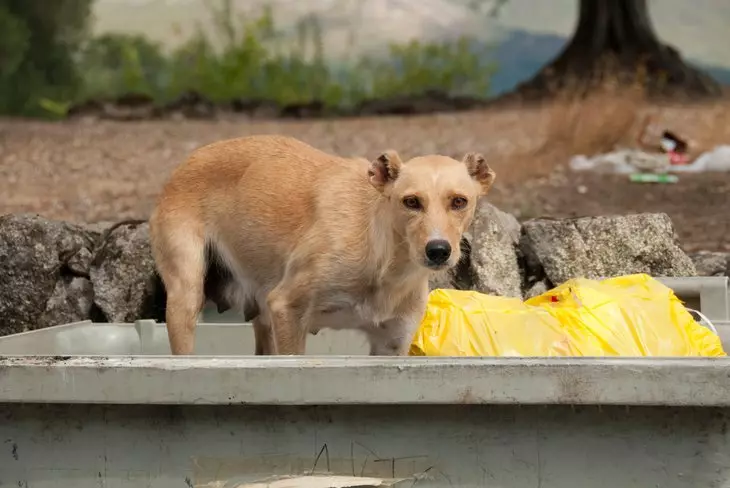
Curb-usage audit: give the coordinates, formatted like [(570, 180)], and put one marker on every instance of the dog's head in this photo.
[(432, 199)]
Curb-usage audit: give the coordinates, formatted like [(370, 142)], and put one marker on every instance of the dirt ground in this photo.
[(90, 171)]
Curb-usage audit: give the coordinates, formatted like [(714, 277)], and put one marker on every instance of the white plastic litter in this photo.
[(627, 161), (716, 160), (704, 320), (624, 161)]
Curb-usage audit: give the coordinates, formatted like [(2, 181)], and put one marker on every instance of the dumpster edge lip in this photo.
[(363, 380)]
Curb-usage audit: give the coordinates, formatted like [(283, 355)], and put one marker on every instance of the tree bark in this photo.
[(614, 41)]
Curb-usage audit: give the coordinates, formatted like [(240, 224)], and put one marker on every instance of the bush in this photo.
[(456, 67), (115, 64), (39, 40), (247, 62)]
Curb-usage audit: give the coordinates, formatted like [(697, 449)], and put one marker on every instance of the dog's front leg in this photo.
[(288, 327), (393, 337)]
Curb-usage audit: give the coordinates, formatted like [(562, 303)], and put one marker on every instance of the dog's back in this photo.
[(262, 186), (236, 208)]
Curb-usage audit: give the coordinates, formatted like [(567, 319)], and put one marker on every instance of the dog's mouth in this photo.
[(433, 266)]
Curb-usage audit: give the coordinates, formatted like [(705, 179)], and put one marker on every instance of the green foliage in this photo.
[(418, 67), (115, 64), (39, 39), (55, 109), (248, 59), (15, 42)]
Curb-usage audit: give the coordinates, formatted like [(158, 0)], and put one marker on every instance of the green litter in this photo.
[(653, 178)]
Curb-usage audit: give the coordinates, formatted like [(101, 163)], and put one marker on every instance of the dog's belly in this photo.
[(339, 319)]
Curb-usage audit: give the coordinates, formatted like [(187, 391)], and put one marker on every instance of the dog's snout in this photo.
[(438, 251)]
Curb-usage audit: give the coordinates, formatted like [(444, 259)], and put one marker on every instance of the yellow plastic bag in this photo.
[(632, 315)]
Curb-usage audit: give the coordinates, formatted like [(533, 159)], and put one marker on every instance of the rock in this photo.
[(538, 288), (126, 284), (39, 260), (594, 247), (532, 271), (71, 301), (711, 263), (444, 280), (493, 265), (80, 263)]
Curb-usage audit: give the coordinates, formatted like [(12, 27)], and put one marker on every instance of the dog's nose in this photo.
[(438, 251)]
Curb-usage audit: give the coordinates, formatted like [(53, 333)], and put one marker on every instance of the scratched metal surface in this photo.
[(149, 338), (131, 366), (363, 380), (64, 446)]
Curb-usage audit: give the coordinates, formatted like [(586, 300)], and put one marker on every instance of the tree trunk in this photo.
[(614, 41)]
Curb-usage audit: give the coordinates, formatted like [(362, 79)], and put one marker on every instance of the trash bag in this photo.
[(633, 315)]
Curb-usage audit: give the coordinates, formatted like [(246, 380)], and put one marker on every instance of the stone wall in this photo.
[(56, 272)]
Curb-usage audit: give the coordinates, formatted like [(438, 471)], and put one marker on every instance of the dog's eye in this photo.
[(412, 202), (458, 203)]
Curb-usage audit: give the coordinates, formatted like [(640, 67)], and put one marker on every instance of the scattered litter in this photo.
[(668, 142), (632, 161), (624, 161), (717, 159), (652, 178), (675, 147)]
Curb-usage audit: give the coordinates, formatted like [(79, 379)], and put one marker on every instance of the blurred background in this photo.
[(520, 40), (101, 99)]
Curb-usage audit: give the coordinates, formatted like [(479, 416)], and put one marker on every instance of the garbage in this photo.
[(675, 147), (718, 159), (660, 153), (632, 315), (632, 161), (652, 178), (624, 161), (668, 142)]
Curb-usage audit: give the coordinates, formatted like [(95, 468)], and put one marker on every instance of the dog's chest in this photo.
[(345, 311)]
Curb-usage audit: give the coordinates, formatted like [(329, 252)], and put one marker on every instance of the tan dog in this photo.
[(300, 240)]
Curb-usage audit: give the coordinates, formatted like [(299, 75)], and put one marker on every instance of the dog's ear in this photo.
[(480, 170), (384, 169)]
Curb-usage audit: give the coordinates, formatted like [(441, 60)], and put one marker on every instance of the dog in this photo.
[(299, 240)]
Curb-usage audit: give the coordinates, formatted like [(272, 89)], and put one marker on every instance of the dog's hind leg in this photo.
[(263, 336), (179, 250)]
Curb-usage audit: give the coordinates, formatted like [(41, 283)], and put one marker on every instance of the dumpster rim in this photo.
[(363, 380)]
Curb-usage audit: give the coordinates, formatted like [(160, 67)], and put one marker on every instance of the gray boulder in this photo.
[(123, 275), (442, 280), (537, 288), (711, 263), (44, 266), (493, 259), (71, 301), (594, 247)]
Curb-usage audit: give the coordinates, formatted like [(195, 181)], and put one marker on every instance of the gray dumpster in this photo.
[(104, 405)]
